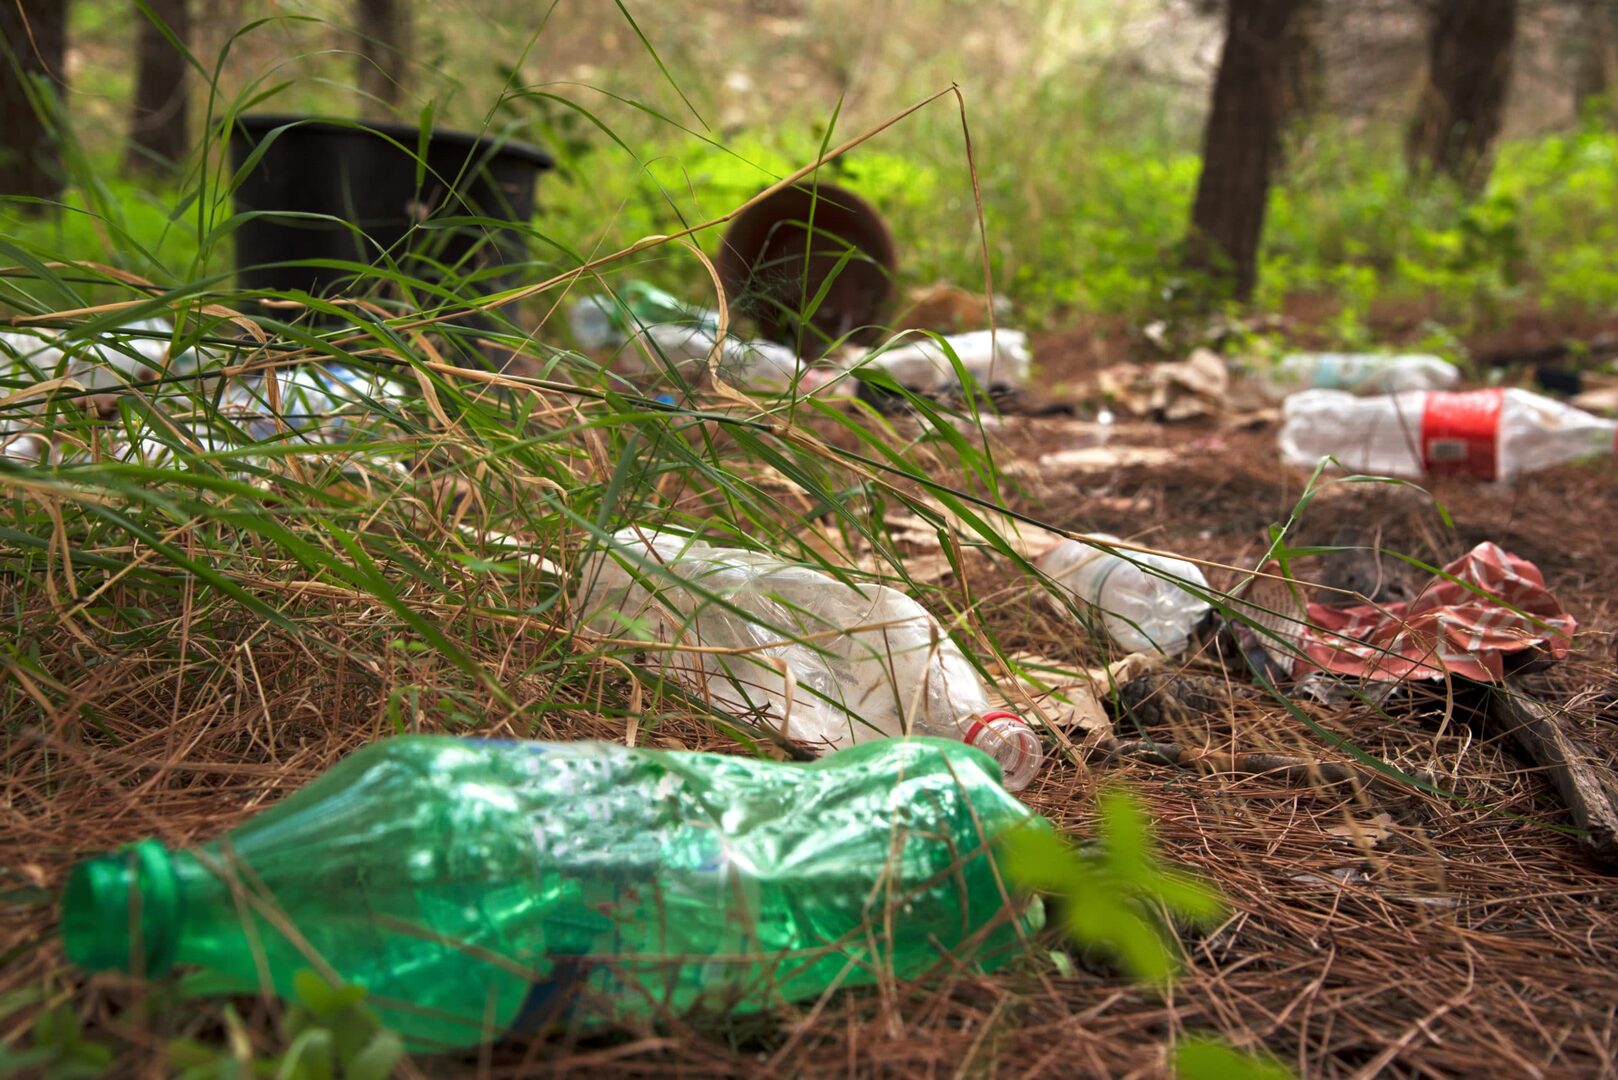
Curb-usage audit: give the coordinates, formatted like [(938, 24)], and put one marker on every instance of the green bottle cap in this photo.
[(107, 894)]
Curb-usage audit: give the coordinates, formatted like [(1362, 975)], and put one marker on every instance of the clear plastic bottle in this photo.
[(110, 361), (1487, 434), (1140, 610), (1359, 373), (479, 887), (600, 321), (993, 359), (753, 365), (868, 663)]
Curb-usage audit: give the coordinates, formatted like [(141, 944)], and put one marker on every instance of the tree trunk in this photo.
[(383, 30), (1468, 71), (33, 42), (159, 137), (1242, 143), (1595, 74)]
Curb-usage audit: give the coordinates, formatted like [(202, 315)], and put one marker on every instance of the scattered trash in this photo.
[(1066, 700), (1197, 386), (1489, 607), (319, 403), (655, 331), (602, 321), (1598, 394), (829, 662), (1358, 373), (754, 365), (1487, 434), (1139, 595), (477, 887), (1102, 458), (132, 353), (312, 403), (993, 359)]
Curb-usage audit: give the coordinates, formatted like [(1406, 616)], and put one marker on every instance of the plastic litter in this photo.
[(868, 663), (756, 365), (324, 404), (1487, 434), (317, 403), (994, 360), (132, 353), (1142, 611), (1359, 373), (1171, 391), (601, 321), (1491, 612), (479, 887)]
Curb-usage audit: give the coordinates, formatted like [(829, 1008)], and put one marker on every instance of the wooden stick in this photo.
[(1297, 770), (1587, 785)]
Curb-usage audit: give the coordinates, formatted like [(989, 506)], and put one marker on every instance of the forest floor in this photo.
[(1371, 931)]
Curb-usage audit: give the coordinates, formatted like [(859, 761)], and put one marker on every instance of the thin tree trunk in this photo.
[(1469, 51), (33, 42), (1242, 143), (159, 136), (383, 30), (1595, 74)]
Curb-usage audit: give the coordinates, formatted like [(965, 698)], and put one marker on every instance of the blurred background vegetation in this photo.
[(1087, 123)]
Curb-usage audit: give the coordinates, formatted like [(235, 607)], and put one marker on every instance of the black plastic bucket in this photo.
[(360, 177)]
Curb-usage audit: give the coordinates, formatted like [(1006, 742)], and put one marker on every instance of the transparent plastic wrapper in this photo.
[(1496, 434), (868, 663), (482, 887), (1359, 373), (993, 359), (1141, 611)]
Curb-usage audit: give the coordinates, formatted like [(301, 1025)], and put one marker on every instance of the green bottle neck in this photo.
[(125, 911)]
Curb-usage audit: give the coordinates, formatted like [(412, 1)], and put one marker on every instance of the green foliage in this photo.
[(57, 1047), (1118, 898), (328, 1034), (1210, 1059), (1113, 896)]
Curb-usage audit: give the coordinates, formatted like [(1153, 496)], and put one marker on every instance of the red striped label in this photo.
[(1460, 433)]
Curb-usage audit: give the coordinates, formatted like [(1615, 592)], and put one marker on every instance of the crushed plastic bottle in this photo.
[(994, 359), (1359, 373), (110, 361), (868, 661), (601, 321), (317, 402), (754, 365), (1141, 611), (1495, 434), (476, 887)]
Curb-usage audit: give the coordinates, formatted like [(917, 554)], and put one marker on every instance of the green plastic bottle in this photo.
[(478, 887)]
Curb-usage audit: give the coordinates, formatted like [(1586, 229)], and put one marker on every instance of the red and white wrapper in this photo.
[(1449, 629)]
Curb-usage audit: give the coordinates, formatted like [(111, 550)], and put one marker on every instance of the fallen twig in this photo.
[(1587, 785), (1296, 770)]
